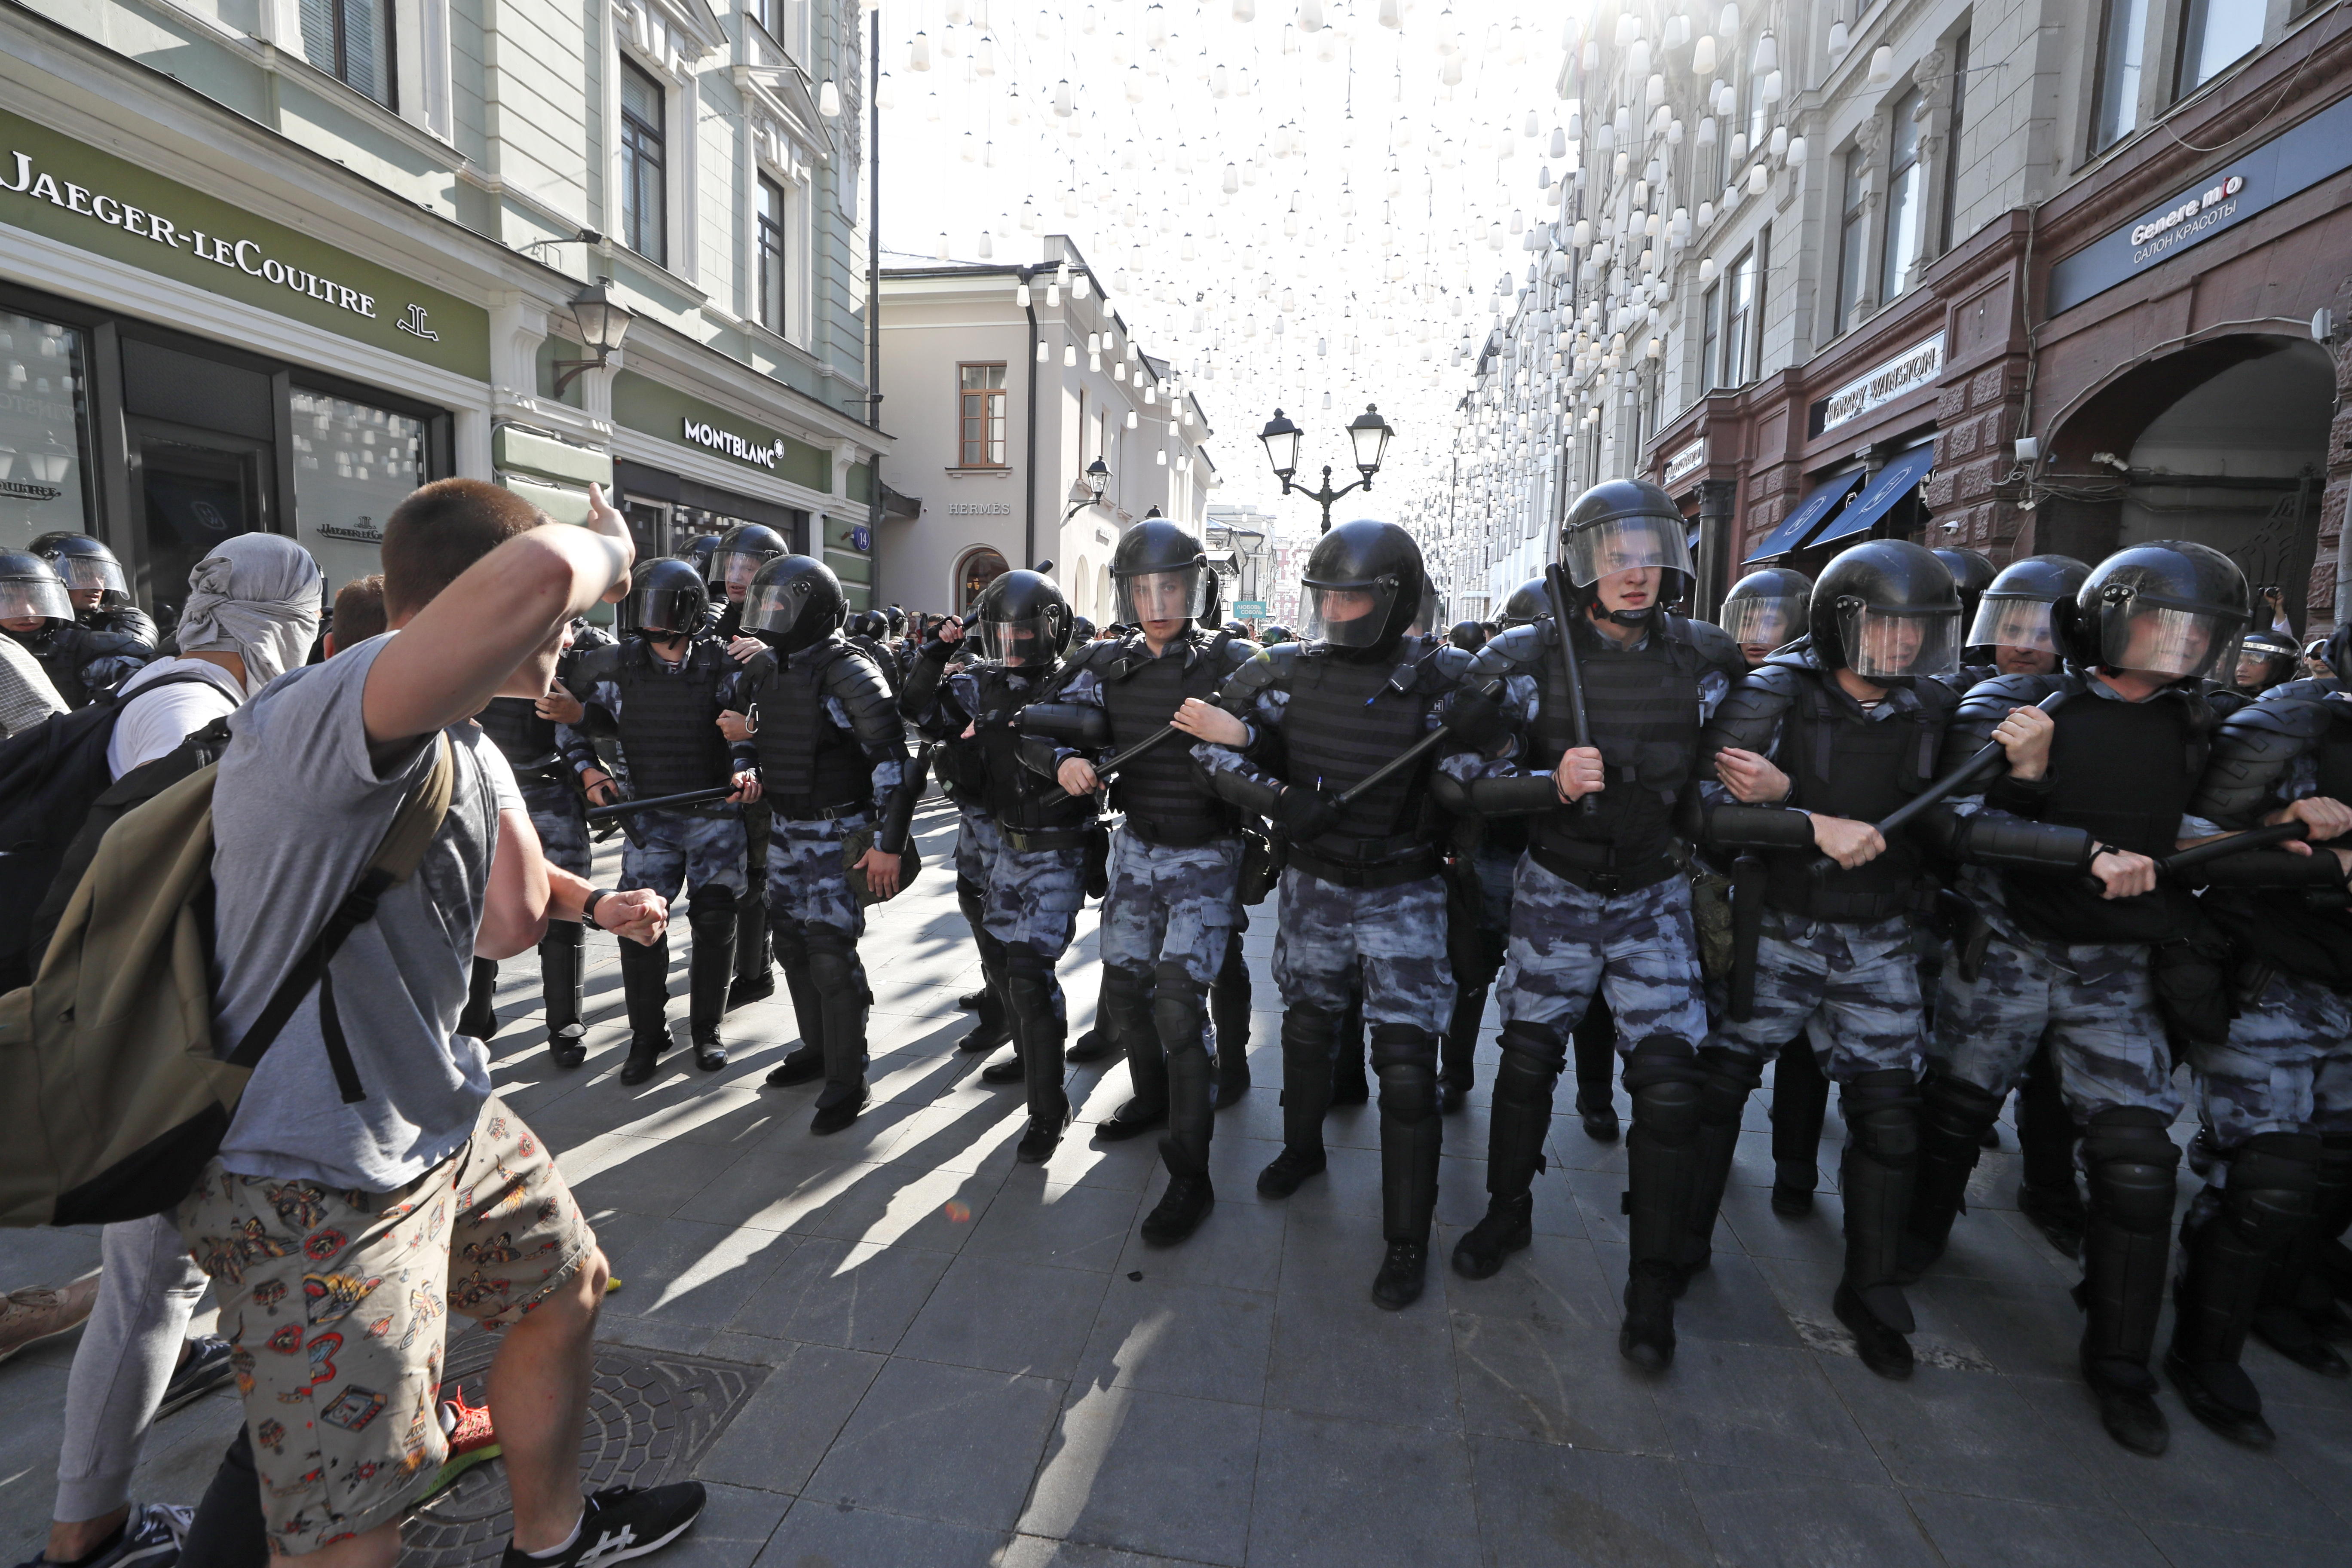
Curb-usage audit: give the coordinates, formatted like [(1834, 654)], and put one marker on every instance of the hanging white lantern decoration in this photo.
[(1796, 152), (1768, 90), (1767, 54), (1707, 269), (1310, 16), (1728, 24), (1759, 179), (941, 251), (919, 53), (885, 92), (1703, 56), (1065, 100), (1245, 10), (1780, 141), (1155, 27), (1882, 66), (1839, 40)]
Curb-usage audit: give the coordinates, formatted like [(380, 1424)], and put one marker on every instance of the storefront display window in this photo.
[(352, 463), (44, 431)]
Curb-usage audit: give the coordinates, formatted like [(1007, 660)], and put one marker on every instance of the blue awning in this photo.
[(1805, 519), (1692, 542), (1892, 483)]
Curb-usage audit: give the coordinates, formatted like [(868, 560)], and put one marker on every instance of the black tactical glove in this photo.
[(1305, 813), (1476, 716)]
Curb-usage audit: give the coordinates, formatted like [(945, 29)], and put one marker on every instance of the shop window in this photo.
[(1854, 235), (352, 463), (780, 288), (1738, 318), (981, 393), (2115, 102), (980, 568), (1952, 165), (643, 190), (1904, 206), (44, 431), (2214, 36), (351, 41), (1710, 339)]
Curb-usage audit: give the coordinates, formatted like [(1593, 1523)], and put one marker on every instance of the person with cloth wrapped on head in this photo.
[(832, 755), (2102, 966), (1169, 917)]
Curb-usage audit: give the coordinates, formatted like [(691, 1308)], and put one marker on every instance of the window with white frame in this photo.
[(786, 22), (645, 184), (2114, 101), (1853, 230), (2215, 35), (778, 248), (1905, 199), (352, 40)]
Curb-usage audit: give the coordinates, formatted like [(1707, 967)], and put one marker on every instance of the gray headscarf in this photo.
[(256, 596)]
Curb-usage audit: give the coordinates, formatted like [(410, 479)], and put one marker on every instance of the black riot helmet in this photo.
[(1889, 611), (2265, 658), (2014, 609), (1023, 621), (1364, 585), (794, 601), (668, 598), (1620, 525), (896, 618), (1767, 609), (2173, 608), (84, 565), (741, 551), (1972, 574), (1082, 631), (30, 587), (1529, 603), (1277, 632), (699, 549), (1161, 573), (1468, 636)]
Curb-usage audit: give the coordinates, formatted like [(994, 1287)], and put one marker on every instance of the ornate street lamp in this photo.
[(1088, 490), (604, 321), (1367, 433)]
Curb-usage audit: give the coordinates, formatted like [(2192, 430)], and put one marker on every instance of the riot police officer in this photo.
[(961, 769), (1169, 917), (659, 693), (526, 731), (2069, 958), (734, 559), (1033, 884), (1297, 735), (2274, 1095), (1767, 609), (832, 756), (100, 594), (1598, 902), (1809, 752), (2265, 659), (1972, 574), (38, 610)]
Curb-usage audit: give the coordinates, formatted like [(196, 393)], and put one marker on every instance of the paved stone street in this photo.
[(925, 1354)]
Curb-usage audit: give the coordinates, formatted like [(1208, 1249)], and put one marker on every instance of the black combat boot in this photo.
[(1882, 1156), (1307, 1038), (1532, 1057), (1125, 1014), (1179, 1019), (843, 999), (710, 969), (2231, 1240), (754, 981), (2299, 1307), (559, 954), (1037, 1032), (645, 983), (805, 1062), (1100, 1041), (1411, 1135)]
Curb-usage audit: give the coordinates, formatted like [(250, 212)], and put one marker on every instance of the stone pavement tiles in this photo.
[(967, 1360)]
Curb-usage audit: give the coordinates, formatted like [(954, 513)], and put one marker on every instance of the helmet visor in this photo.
[(2007, 622), (773, 609), (2167, 641), (82, 573), (2255, 663), (1891, 645), (734, 569), (1353, 616), (1181, 594), (43, 596), (1626, 544), (1765, 621), (1022, 645), (670, 610)]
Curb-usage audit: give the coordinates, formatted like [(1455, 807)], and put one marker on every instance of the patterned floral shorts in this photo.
[(336, 1302)]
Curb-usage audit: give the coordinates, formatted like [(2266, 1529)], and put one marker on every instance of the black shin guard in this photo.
[(1532, 1057), (645, 985), (1882, 1157), (711, 968), (559, 976), (1595, 1048), (1037, 1027), (1307, 1034), (1730, 1077), (2132, 1161), (1457, 1055), (1180, 1019), (1405, 1059), (1662, 1152), (1800, 1103), (1953, 1117), (1126, 1011), (843, 1000), (2046, 1133), (2232, 1241)]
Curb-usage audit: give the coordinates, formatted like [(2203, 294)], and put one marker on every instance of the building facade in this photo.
[(1822, 288), (1003, 384), (272, 267)]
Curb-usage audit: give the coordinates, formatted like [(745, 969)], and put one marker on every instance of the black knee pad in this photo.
[(972, 900), (1028, 979), (1310, 1030), (1882, 1114), (833, 960), (1958, 1109), (789, 939), (2273, 1181), (1180, 1009), (1124, 987), (1731, 1077), (2131, 1163), (709, 906), (1533, 1056), (1405, 1059), (1663, 1058), (994, 954)]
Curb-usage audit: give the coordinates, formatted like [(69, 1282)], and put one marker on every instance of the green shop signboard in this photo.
[(643, 404), (68, 190)]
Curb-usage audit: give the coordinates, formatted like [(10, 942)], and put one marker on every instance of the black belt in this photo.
[(792, 810), (1178, 839), (1416, 866), (1043, 839), (1610, 881)]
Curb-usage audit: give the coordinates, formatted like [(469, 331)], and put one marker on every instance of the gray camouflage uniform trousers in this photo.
[(686, 848), (976, 844), (806, 882), (2092, 1002), (1568, 943), (563, 823), (1034, 896), (1851, 987), (2287, 1067), (1171, 905), (1397, 936)]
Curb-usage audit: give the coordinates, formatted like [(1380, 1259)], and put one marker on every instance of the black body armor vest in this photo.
[(1161, 791), (1344, 719), (1862, 770), (1644, 709), (807, 763), (521, 736), (670, 742), (2122, 772), (1017, 797)]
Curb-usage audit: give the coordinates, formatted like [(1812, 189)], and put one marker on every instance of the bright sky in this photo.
[(1375, 167)]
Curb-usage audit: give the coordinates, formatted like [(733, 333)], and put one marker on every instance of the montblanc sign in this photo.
[(703, 432)]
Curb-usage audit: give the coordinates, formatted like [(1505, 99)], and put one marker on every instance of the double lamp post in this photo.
[(1368, 432)]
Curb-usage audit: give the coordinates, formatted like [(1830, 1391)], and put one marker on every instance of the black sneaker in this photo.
[(622, 1522), (150, 1538), (206, 1369)]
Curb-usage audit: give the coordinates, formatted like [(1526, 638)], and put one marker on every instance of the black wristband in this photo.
[(588, 905)]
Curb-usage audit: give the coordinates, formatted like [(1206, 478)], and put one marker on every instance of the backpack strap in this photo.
[(404, 842)]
